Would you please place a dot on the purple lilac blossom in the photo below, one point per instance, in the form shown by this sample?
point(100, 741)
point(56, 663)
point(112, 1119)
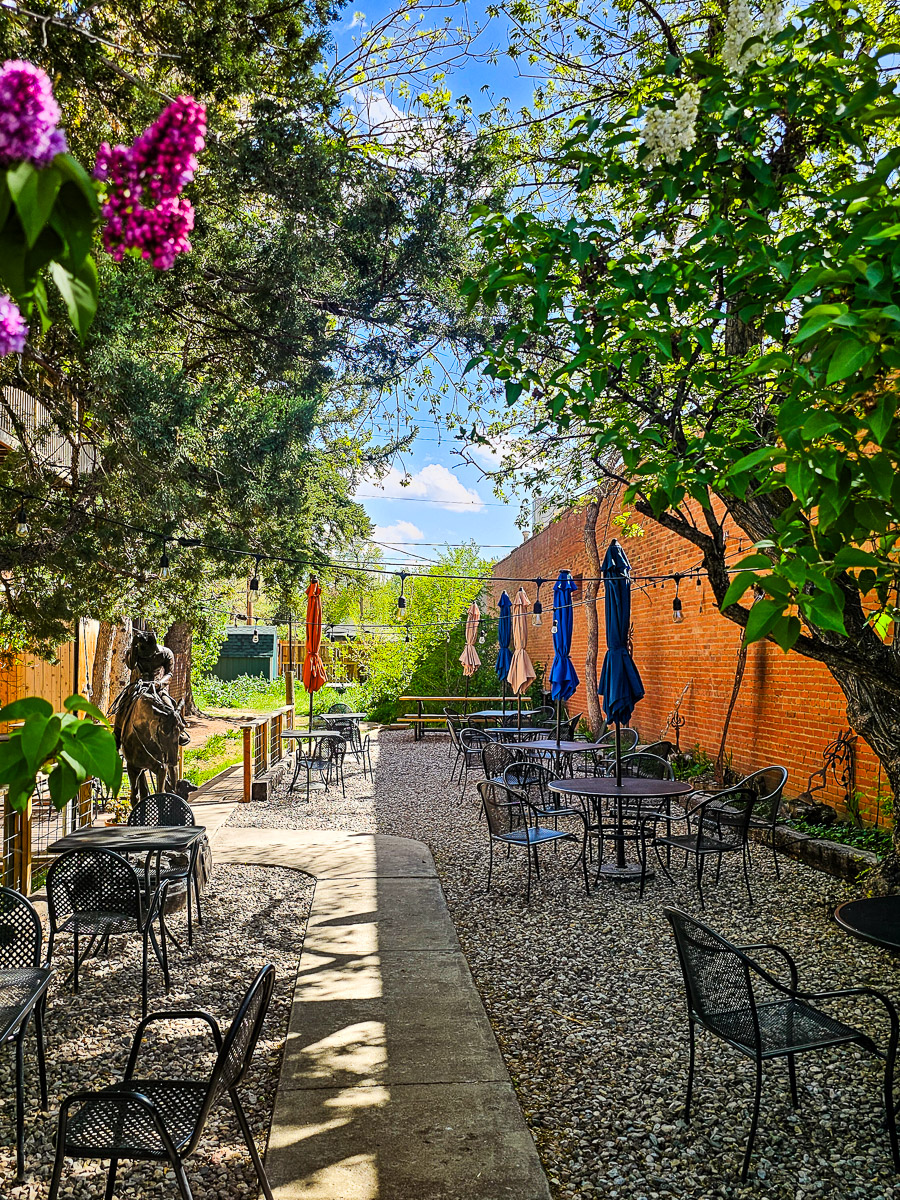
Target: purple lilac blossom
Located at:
point(29, 116)
point(144, 210)
point(13, 330)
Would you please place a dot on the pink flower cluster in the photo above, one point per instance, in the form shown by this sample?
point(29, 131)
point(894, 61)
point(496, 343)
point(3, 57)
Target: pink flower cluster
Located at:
point(145, 210)
point(13, 330)
point(29, 116)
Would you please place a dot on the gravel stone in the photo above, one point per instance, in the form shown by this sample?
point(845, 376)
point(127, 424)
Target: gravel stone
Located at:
point(252, 915)
point(586, 1000)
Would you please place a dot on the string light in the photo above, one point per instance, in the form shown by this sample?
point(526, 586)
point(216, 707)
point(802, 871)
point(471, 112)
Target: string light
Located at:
point(164, 564)
point(255, 638)
point(677, 610)
point(401, 599)
point(538, 607)
point(254, 583)
point(22, 527)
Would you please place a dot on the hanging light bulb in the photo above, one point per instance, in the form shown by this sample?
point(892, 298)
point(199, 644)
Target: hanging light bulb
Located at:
point(401, 599)
point(406, 639)
point(554, 627)
point(254, 584)
point(538, 607)
point(164, 564)
point(677, 610)
point(255, 638)
point(22, 528)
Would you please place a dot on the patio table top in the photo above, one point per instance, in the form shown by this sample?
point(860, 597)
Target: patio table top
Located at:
point(129, 839)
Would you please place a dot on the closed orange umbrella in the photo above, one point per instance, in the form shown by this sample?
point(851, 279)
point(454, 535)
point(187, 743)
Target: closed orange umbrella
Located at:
point(314, 676)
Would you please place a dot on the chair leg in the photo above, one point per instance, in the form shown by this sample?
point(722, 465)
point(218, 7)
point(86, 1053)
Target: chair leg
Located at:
point(747, 876)
point(197, 898)
point(490, 862)
point(745, 1170)
point(187, 889)
point(251, 1145)
point(690, 1082)
point(182, 1180)
point(792, 1075)
point(42, 1061)
point(111, 1179)
point(75, 963)
point(60, 1155)
point(20, 1103)
point(145, 941)
point(775, 857)
point(528, 888)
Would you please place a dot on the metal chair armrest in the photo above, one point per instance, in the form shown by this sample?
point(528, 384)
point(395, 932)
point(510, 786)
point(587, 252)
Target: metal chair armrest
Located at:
point(181, 1014)
point(778, 950)
point(120, 1095)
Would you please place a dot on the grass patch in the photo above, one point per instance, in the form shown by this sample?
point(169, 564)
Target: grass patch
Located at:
point(247, 691)
point(217, 752)
point(878, 840)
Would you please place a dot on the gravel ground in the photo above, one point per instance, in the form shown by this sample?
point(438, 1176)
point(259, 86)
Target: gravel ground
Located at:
point(253, 915)
point(586, 1000)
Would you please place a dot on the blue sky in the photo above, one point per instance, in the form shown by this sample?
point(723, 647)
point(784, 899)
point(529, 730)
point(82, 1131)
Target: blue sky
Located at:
point(445, 500)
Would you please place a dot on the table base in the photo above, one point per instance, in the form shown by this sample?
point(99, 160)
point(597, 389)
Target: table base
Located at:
point(629, 873)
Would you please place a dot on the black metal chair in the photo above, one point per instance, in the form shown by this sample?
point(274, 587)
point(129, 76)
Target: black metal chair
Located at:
point(662, 749)
point(497, 760)
point(24, 980)
point(511, 822)
point(339, 707)
point(541, 717)
point(721, 983)
point(97, 894)
point(366, 756)
point(162, 1120)
point(165, 810)
point(716, 826)
point(643, 765)
point(532, 780)
point(471, 743)
point(326, 757)
point(768, 786)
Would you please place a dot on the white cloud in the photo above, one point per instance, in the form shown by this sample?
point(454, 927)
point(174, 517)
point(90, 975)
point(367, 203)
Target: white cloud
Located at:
point(400, 531)
point(358, 22)
point(433, 482)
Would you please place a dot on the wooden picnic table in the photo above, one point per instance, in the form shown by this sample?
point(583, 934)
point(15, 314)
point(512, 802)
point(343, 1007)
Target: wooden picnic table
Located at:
point(420, 718)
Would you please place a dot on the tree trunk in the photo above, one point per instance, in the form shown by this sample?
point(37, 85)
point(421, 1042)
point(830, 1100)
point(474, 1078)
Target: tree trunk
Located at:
point(119, 672)
point(178, 640)
point(594, 712)
point(103, 657)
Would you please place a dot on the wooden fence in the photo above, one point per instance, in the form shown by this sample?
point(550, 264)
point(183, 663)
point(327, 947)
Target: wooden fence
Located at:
point(341, 660)
point(263, 746)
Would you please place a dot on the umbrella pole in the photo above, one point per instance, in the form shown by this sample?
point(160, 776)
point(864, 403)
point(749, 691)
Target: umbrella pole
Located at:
point(519, 705)
point(558, 703)
point(504, 700)
point(309, 769)
point(466, 704)
point(620, 840)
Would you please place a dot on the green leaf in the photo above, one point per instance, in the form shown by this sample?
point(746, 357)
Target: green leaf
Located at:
point(785, 632)
point(20, 710)
point(852, 556)
point(12, 759)
point(34, 194)
point(741, 582)
point(79, 290)
point(71, 170)
point(34, 739)
point(763, 616)
point(96, 747)
point(62, 783)
point(19, 792)
point(73, 219)
point(78, 704)
point(849, 357)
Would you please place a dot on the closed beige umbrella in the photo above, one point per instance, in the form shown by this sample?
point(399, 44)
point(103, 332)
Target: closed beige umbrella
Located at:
point(469, 657)
point(521, 672)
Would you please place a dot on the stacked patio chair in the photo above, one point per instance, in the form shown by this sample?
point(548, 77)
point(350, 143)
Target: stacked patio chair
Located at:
point(497, 759)
point(24, 980)
point(95, 895)
point(326, 758)
point(166, 810)
point(532, 780)
point(733, 996)
point(349, 730)
point(471, 743)
point(162, 1119)
point(716, 826)
point(512, 822)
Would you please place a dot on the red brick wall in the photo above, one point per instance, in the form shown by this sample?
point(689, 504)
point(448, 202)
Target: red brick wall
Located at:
point(789, 707)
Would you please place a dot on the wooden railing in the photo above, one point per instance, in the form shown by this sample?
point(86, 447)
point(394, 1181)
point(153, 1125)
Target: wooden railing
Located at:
point(263, 746)
point(28, 833)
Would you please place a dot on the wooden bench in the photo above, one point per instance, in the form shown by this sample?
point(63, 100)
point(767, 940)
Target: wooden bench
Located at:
point(420, 720)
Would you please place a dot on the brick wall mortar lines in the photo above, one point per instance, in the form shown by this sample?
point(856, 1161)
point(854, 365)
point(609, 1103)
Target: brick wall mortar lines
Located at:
point(789, 707)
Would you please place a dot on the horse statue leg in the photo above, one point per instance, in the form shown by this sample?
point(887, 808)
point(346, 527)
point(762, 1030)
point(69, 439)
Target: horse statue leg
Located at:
point(137, 777)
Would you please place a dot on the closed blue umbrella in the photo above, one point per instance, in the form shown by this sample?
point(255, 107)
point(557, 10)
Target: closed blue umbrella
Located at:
point(504, 637)
point(563, 677)
point(620, 681)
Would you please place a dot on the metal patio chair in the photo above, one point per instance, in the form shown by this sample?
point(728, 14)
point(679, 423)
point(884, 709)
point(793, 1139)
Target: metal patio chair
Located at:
point(162, 1120)
point(366, 755)
point(541, 717)
point(471, 743)
point(24, 980)
point(662, 749)
point(96, 894)
point(497, 760)
point(716, 826)
point(768, 786)
point(165, 810)
point(512, 823)
point(340, 707)
point(736, 999)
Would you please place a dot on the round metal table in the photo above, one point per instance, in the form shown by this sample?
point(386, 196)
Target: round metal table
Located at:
point(300, 735)
point(876, 920)
point(630, 789)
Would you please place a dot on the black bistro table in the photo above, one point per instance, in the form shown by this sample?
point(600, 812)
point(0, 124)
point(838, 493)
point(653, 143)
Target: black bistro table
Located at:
point(875, 919)
point(499, 714)
point(21, 991)
point(310, 735)
point(559, 749)
point(597, 790)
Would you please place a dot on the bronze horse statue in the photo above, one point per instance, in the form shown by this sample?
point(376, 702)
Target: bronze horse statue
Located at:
point(149, 726)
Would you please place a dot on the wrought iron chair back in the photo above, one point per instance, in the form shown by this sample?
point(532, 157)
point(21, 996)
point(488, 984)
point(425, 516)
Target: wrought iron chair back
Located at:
point(726, 816)
point(530, 780)
point(495, 758)
point(164, 810)
point(87, 881)
point(662, 749)
point(628, 739)
point(542, 716)
point(504, 808)
point(239, 1043)
point(21, 935)
point(339, 707)
point(643, 766)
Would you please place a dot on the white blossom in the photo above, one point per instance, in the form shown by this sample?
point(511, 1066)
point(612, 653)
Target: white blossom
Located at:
point(741, 25)
point(668, 131)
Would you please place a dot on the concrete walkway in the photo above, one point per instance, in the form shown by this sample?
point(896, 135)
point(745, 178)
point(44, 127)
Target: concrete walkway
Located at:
point(392, 1086)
